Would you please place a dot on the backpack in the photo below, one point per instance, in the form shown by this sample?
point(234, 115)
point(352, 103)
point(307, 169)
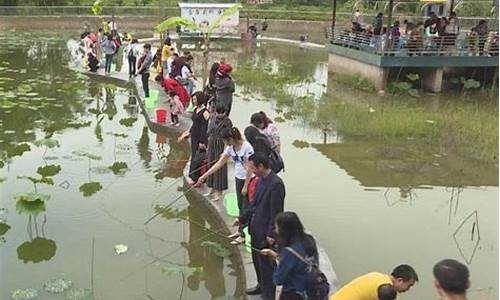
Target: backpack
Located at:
point(263, 145)
point(317, 286)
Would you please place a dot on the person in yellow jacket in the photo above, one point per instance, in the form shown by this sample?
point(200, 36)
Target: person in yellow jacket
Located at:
point(166, 52)
point(365, 287)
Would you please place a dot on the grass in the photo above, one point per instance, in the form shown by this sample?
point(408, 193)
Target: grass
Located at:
point(468, 129)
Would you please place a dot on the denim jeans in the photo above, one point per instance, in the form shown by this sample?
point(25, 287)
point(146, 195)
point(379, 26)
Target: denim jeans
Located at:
point(131, 65)
point(109, 60)
point(145, 83)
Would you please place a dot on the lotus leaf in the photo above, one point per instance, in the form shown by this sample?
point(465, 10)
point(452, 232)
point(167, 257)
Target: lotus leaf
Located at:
point(18, 150)
point(120, 134)
point(46, 180)
point(76, 125)
point(3, 228)
point(300, 144)
point(57, 285)
point(119, 167)
point(217, 248)
point(90, 188)
point(2, 179)
point(78, 294)
point(24, 294)
point(49, 143)
point(31, 203)
point(128, 122)
point(37, 250)
point(49, 170)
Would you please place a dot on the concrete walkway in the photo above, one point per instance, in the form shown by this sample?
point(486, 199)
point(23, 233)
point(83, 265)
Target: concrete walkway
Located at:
point(221, 220)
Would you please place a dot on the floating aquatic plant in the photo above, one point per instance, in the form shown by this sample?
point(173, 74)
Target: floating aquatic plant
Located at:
point(49, 170)
point(90, 188)
point(31, 203)
point(128, 122)
point(18, 150)
point(24, 294)
point(4, 227)
point(87, 154)
point(57, 286)
point(47, 142)
point(37, 250)
point(78, 294)
point(216, 248)
point(2, 179)
point(119, 167)
point(300, 144)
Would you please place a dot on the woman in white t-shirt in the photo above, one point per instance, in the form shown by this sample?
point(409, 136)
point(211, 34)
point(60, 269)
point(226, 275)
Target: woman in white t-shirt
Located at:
point(239, 151)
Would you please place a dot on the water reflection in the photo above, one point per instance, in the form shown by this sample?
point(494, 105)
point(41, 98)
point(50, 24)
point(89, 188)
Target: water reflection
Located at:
point(39, 248)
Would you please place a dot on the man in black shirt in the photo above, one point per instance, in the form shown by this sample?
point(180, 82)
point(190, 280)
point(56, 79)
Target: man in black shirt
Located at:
point(268, 202)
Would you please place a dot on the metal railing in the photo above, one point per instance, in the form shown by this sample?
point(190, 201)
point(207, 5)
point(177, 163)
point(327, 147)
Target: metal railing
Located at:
point(463, 44)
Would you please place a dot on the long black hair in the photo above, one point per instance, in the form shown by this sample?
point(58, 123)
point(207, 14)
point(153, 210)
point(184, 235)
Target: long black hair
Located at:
point(290, 229)
point(260, 118)
point(231, 133)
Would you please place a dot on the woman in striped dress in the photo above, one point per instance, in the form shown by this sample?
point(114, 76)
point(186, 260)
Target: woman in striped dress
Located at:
point(218, 180)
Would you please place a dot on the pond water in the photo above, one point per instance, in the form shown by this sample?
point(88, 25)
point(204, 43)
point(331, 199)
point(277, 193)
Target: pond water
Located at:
point(371, 204)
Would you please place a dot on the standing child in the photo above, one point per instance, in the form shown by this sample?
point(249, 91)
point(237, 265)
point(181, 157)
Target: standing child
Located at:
point(176, 107)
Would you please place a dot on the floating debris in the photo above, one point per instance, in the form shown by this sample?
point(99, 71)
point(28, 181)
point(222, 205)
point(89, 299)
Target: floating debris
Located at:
point(120, 249)
point(24, 294)
point(430, 121)
point(57, 285)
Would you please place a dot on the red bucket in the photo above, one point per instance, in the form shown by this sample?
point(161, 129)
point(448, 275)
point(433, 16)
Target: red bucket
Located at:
point(161, 115)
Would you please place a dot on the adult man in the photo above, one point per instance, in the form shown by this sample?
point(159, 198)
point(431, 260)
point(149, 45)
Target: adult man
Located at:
point(144, 64)
point(378, 23)
point(268, 202)
point(365, 287)
point(451, 279)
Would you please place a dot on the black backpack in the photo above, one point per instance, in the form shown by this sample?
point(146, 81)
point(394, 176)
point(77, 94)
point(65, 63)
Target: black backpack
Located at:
point(317, 286)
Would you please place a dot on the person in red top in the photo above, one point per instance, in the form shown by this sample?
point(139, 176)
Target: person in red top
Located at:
point(170, 84)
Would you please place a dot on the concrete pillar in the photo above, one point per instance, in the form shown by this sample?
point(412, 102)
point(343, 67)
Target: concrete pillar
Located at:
point(347, 66)
point(433, 79)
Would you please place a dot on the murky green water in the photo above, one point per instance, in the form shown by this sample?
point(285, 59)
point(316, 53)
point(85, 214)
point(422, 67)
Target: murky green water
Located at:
point(45, 99)
point(371, 204)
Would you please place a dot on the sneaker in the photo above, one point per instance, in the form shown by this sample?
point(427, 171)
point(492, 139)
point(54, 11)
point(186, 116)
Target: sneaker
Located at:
point(254, 291)
point(172, 123)
point(177, 124)
point(234, 235)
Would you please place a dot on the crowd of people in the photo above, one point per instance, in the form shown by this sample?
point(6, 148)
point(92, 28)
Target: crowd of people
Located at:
point(434, 35)
point(282, 252)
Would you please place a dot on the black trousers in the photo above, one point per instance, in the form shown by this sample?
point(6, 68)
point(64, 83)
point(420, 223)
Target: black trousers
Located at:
point(290, 295)
point(131, 65)
point(242, 200)
point(145, 83)
point(264, 269)
point(109, 61)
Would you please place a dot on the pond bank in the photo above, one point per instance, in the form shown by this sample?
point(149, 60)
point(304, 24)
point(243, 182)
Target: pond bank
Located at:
point(221, 221)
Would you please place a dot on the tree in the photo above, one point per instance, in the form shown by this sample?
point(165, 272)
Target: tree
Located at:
point(207, 32)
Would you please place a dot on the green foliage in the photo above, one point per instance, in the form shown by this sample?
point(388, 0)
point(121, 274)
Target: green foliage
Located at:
point(49, 170)
point(18, 150)
point(47, 142)
point(216, 248)
point(223, 17)
point(31, 203)
point(128, 122)
point(78, 124)
point(120, 134)
point(300, 144)
point(173, 22)
point(2, 179)
point(402, 88)
point(119, 167)
point(34, 180)
point(3, 228)
point(90, 188)
point(37, 250)
point(413, 77)
point(470, 83)
point(97, 7)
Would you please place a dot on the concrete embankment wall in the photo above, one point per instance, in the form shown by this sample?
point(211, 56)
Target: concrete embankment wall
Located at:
point(147, 23)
